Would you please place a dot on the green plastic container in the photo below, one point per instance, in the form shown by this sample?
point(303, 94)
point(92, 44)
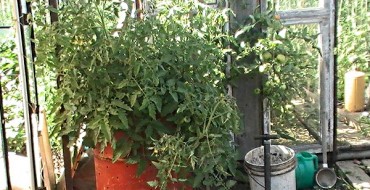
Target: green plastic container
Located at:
point(307, 166)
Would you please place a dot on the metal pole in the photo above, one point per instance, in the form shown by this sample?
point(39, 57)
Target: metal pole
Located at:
point(335, 151)
point(228, 67)
point(31, 52)
point(267, 163)
point(266, 122)
point(267, 143)
point(25, 92)
point(33, 55)
point(4, 144)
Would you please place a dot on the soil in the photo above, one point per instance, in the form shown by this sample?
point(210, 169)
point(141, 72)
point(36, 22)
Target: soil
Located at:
point(279, 154)
point(58, 162)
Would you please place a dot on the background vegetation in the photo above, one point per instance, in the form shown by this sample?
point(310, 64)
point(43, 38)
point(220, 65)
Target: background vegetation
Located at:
point(5, 13)
point(9, 74)
point(353, 50)
point(13, 107)
point(353, 39)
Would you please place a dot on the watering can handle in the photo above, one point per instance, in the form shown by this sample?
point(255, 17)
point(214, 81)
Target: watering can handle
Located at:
point(316, 162)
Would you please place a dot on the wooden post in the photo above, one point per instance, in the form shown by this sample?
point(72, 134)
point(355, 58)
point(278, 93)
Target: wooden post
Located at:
point(66, 181)
point(46, 154)
point(139, 9)
point(77, 159)
point(249, 103)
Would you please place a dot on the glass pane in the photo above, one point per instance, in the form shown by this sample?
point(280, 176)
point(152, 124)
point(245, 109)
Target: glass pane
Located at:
point(297, 118)
point(6, 34)
point(13, 106)
point(5, 13)
point(294, 4)
point(353, 51)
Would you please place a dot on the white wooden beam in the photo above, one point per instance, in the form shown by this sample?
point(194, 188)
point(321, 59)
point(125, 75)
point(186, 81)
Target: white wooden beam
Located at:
point(306, 13)
point(331, 7)
point(324, 16)
point(303, 16)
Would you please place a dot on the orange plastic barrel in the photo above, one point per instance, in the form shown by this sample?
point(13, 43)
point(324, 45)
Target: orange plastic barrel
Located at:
point(120, 175)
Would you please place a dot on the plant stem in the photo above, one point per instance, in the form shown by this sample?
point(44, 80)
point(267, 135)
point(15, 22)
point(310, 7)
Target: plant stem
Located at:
point(207, 127)
point(102, 21)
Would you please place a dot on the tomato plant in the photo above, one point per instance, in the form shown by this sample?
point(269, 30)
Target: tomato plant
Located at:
point(159, 80)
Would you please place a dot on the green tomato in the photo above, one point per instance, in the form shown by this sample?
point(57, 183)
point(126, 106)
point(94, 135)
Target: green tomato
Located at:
point(266, 56)
point(281, 58)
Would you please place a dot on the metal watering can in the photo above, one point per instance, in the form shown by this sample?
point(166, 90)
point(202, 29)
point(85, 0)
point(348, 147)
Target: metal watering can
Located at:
point(307, 166)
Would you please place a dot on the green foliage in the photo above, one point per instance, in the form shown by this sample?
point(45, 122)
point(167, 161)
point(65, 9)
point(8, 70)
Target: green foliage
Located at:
point(352, 51)
point(5, 13)
point(160, 80)
point(12, 96)
point(287, 58)
point(353, 39)
point(365, 123)
point(206, 156)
